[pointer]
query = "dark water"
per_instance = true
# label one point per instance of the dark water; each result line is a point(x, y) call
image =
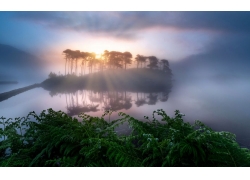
point(219, 103)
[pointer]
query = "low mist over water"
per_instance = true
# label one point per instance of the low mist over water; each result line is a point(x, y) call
point(208, 54)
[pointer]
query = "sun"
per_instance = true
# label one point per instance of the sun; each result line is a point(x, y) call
point(98, 50)
point(98, 55)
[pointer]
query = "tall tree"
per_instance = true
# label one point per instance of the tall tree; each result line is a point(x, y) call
point(91, 61)
point(153, 62)
point(67, 57)
point(84, 56)
point(105, 57)
point(101, 63)
point(140, 60)
point(70, 58)
point(127, 58)
point(115, 59)
point(76, 55)
point(165, 66)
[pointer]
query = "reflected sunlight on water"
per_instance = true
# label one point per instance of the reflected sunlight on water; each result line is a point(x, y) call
point(224, 107)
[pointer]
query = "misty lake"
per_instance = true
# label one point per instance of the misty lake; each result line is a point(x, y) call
point(221, 104)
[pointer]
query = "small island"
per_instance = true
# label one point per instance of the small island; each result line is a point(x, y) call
point(133, 80)
point(110, 71)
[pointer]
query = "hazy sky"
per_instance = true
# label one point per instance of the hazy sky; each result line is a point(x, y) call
point(211, 44)
point(208, 52)
point(184, 38)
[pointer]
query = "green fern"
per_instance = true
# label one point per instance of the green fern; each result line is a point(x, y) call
point(56, 139)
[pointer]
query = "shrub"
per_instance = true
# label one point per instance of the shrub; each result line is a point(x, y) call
point(56, 139)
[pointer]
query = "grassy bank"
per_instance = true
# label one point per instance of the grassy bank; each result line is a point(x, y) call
point(56, 139)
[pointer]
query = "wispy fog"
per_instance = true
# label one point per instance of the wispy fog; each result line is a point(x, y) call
point(208, 52)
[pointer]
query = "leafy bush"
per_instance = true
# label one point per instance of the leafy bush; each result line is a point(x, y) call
point(56, 139)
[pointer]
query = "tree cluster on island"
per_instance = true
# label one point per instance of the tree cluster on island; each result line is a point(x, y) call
point(75, 59)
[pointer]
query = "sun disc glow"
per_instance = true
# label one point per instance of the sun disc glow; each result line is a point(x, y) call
point(98, 55)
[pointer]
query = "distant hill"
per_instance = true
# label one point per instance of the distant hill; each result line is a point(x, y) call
point(18, 65)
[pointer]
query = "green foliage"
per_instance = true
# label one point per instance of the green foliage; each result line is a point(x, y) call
point(56, 139)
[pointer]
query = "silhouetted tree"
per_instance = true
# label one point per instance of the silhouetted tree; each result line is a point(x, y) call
point(100, 63)
point(66, 58)
point(75, 56)
point(153, 62)
point(115, 59)
point(67, 55)
point(140, 60)
point(91, 61)
point(84, 56)
point(110, 60)
point(105, 57)
point(52, 75)
point(127, 58)
point(164, 64)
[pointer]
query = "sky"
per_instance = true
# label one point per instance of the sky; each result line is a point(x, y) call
point(185, 38)
point(212, 45)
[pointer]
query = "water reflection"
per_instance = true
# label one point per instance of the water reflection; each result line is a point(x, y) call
point(84, 101)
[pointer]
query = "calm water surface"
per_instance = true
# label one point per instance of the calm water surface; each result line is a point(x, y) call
point(222, 105)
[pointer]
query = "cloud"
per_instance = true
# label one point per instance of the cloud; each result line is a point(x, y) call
point(218, 21)
point(126, 24)
point(102, 23)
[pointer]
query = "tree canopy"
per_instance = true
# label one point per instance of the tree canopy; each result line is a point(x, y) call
point(88, 61)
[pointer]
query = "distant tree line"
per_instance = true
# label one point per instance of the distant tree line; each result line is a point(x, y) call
point(75, 59)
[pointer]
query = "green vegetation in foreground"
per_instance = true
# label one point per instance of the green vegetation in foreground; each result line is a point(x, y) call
point(56, 139)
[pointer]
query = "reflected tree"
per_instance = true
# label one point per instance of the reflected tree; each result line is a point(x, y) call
point(84, 101)
point(140, 99)
point(77, 103)
point(118, 101)
point(152, 99)
point(164, 96)
point(73, 111)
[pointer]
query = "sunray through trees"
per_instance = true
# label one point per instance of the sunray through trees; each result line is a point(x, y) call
point(89, 62)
